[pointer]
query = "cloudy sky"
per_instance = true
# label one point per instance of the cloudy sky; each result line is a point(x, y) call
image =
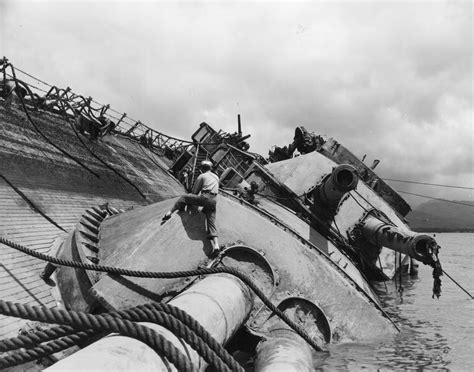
point(393, 80)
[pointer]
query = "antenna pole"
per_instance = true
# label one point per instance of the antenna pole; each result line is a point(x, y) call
point(239, 125)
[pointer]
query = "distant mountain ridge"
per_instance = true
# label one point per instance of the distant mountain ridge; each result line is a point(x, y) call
point(440, 216)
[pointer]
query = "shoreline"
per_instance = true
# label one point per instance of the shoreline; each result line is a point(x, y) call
point(443, 230)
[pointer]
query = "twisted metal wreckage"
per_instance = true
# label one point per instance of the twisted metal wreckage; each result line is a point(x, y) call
point(302, 239)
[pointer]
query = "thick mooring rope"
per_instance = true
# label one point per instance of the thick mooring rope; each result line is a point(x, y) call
point(182, 331)
point(171, 317)
point(212, 352)
point(197, 328)
point(37, 337)
point(171, 275)
point(24, 356)
point(81, 320)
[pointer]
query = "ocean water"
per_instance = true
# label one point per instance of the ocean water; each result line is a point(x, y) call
point(435, 334)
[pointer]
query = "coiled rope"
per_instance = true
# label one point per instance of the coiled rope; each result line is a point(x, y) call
point(182, 331)
point(29, 340)
point(81, 320)
point(34, 353)
point(198, 329)
point(168, 316)
point(170, 275)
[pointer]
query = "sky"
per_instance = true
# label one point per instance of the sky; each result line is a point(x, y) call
point(393, 80)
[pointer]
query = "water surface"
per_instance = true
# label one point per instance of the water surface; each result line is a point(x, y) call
point(435, 334)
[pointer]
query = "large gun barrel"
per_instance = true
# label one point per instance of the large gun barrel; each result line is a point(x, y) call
point(328, 194)
point(418, 246)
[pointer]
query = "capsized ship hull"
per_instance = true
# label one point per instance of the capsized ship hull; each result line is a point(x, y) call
point(287, 264)
point(302, 239)
point(38, 183)
point(137, 240)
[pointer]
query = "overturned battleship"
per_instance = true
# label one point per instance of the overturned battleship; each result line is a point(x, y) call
point(302, 240)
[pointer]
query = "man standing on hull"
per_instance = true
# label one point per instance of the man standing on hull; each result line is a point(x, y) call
point(204, 194)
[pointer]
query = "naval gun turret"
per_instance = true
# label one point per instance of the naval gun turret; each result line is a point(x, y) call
point(375, 228)
point(306, 142)
point(328, 194)
point(338, 202)
point(376, 231)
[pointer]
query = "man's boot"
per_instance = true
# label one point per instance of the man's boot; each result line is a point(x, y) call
point(215, 247)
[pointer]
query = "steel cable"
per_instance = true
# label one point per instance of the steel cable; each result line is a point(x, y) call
point(31, 76)
point(439, 199)
point(30, 119)
point(31, 204)
point(430, 184)
point(182, 143)
point(151, 159)
point(97, 157)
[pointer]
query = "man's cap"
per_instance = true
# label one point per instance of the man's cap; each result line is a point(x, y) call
point(206, 163)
